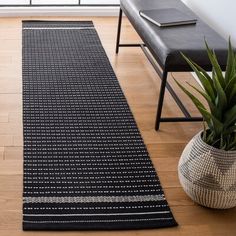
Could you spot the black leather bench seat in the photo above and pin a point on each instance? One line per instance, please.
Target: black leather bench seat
(166, 43)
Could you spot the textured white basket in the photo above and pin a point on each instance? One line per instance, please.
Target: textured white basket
(208, 174)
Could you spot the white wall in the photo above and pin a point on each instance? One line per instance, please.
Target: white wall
(219, 14)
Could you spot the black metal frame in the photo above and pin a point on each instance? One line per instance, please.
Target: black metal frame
(164, 84)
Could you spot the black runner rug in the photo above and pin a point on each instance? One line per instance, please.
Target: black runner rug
(85, 163)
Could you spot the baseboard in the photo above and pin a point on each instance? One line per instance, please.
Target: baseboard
(58, 11)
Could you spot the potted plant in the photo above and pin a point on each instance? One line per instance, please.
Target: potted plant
(207, 167)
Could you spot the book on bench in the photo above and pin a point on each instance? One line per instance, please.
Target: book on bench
(167, 17)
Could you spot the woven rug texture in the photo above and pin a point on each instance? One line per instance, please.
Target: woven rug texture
(85, 163)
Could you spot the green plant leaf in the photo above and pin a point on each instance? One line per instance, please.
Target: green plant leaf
(197, 103)
(207, 76)
(229, 130)
(219, 91)
(221, 99)
(213, 108)
(217, 125)
(210, 138)
(229, 87)
(232, 96)
(230, 117)
(206, 83)
(222, 143)
(215, 65)
(230, 68)
(232, 145)
(204, 135)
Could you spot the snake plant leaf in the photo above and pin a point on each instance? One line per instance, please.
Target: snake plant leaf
(230, 117)
(215, 65)
(209, 118)
(217, 125)
(221, 96)
(230, 68)
(232, 96)
(213, 108)
(207, 85)
(207, 76)
(204, 135)
(197, 103)
(229, 87)
(232, 145)
(210, 138)
(219, 91)
(229, 130)
(223, 144)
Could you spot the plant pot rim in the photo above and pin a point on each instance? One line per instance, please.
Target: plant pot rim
(214, 149)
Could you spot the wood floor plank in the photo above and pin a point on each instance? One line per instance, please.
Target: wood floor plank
(1, 153)
(11, 203)
(177, 197)
(182, 133)
(166, 164)
(165, 150)
(10, 102)
(16, 118)
(10, 88)
(18, 140)
(194, 215)
(11, 166)
(169, 179)
(11, 183)
(6, 140)
(203, 229)
(3, 117)
(10, 128)
(13, 153)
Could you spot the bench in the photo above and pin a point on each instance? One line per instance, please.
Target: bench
(165, 45)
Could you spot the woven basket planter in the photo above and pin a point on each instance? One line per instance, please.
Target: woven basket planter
(208, 174)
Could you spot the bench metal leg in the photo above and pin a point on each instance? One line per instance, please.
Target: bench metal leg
(161, 99)
(118, 44)
(118, 31)
(164, 84)
(187, 117)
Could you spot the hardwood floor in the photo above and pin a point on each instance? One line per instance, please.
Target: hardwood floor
(141, 87)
